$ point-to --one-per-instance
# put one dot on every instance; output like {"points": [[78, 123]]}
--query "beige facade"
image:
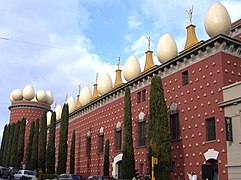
{"points": [[232, 109]]}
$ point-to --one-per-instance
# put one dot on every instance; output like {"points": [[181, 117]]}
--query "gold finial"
{"points": [[96, 78], [118, 62], [149, 42], [79, 89], [189, 12]]}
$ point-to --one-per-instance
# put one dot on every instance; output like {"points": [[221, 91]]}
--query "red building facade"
{"points": [[192, 83]]}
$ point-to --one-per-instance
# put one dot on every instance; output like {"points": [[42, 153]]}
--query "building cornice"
{"points": [[219, 43], [29, 104]]}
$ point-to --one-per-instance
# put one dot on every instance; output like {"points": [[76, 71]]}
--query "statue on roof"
{"points": [[149, 42], [118, 62], [189, 12], [96, 78], [79, 89]]}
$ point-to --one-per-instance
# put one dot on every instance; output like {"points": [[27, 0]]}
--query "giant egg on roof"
{"points": [[16, 95], [28, 93], [58, 111], [50, 97], [217, 20], [41, 96], [85, 96], [104, 84], [71, 103], [166, 48], [132, 68]]}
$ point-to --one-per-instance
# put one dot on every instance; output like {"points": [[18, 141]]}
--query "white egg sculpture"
{"points": [[17, 95], [49, 115], [41, 96], [50, 98], [217, 20], [85, 96], [11, 97], [166, 48], [58, 111], [71, 103], [104, 84], [28, 93], [132, 68]]}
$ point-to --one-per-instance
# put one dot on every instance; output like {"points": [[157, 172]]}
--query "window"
{"points": [[118, 136], [185, 79], [174, 122], [211, 130], [138, 97], [101, 143], [118, 139], [141, 96], [142, 138], [88, 145]]}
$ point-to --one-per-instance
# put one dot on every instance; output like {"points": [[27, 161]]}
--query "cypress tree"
{"points": [[34, 155], [72, 154], [21, 139], [6, 144], [50, 156], [128, 159], [42, 143], [106, 158], [30, 145], [158, 132], [63, 137], [14, 149], [12, 129], [3, 143]]}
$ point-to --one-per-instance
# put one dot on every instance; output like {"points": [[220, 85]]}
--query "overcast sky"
{"points": [[57, 45]]}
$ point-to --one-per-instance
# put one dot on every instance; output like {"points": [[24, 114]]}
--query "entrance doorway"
{"points": [[210, 170], [118, 164]]}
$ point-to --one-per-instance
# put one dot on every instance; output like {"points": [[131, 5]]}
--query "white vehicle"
{"points": [[24, 175]]}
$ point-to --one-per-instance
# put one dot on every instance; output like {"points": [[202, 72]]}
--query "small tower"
{"points": [[95, 91], [191, 34], [118, 79], [149, 60]]}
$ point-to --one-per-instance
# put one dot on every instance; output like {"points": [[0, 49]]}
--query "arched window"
{"points": [[141, 129], [174, 122], [101, 141], [88, 143], [118, 138]]}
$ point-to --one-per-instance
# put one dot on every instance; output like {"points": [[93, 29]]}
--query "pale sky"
{"points": [[57, 45]]}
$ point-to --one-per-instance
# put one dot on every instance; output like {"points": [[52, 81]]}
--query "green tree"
{"points": [[128, 159], [42, 143], [30, 145], [21, 139], [63, 137], [158, 132], [106, 158], [34, 155], [12, 129], [6, 144], [14, 149], [50, 156], [5, 150], [3, 143], [72, 154]]}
